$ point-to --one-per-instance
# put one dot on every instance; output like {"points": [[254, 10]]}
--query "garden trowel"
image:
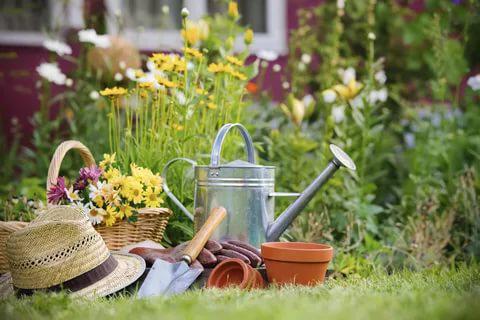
{"points": [[167, 278]]}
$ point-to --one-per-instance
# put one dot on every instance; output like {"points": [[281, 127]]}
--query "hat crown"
{"points": [[59, 245]]}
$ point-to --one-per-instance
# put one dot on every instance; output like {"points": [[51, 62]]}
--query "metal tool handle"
{"points": [[198, 242], [217, 144], [169, 193]]}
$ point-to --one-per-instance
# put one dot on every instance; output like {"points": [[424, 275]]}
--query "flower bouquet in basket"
{"points": [[124, 207]]}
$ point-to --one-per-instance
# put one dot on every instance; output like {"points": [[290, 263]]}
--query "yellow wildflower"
{"points": [[111, 174], [125, 211], [193, 52], [132, 189], [110, 216], [146, 85], [152, 198], [195, 31], [115, 91], [211, 97], [239, 75], [349, 91], [233, 9], [235, 61], [98, 200], [211, 105], [201, 91], [166, 83], [248, 37], [177, 127], [108, 160], [213, 67]]}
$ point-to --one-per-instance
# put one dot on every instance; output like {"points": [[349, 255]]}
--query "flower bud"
{"points": [[185, 13], [233, 9], [248, 37]]}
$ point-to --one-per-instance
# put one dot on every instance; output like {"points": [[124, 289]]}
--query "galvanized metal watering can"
{"points": [[246, 190]]}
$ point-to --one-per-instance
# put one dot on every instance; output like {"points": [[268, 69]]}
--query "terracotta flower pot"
{"points": [[235, 273], [296, 262]]}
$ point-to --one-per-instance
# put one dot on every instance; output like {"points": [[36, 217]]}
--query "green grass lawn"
{"points": [[431, 294]]}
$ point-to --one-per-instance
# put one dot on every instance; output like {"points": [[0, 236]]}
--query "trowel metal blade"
{"points": [[166, 278]]}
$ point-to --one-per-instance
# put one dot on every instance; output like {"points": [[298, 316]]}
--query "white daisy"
{"points": [[52, 73], [60, 48]]}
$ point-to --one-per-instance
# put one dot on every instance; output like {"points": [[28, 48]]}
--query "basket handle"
{"points": [[60, 153]]}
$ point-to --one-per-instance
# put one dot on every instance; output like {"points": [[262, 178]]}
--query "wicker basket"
{"points": [[151, 222], [150, 225]]}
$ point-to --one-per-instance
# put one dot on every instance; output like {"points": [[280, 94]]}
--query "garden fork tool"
{"points": [[171, 278]]}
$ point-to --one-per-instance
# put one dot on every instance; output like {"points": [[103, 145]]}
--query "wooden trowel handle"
{"points": [[198, 242]]}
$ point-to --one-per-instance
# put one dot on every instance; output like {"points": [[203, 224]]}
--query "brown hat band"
{"points": [[80, 282]]}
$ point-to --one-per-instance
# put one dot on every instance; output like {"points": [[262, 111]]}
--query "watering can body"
{"points": [[247, 191]]}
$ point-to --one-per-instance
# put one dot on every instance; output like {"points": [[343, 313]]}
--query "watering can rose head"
{"points": [[246, 189]]}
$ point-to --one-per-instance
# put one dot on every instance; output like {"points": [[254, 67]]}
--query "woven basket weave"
{"points": [[150, 225]]}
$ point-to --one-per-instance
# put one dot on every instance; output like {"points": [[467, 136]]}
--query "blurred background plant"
{"points": [[393, 94], [176, 108]]}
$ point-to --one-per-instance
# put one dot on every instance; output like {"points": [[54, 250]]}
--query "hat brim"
{"points": [[129, 269]]}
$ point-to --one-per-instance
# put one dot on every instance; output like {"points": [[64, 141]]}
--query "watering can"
{"points": [[247, 191]]}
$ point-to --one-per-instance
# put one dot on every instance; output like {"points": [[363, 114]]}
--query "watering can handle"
{"points": [[217, 144], [167, 189]]}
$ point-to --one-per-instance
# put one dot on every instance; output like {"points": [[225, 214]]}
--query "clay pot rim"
{"points": [[227, 266], [297, 251]]}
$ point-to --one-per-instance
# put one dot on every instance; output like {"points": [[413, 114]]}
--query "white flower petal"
{"points": [[58, 47], [52, 73], [267, 55]]}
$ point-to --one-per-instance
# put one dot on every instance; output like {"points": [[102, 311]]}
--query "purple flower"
{"points": [[457, 2], [87, 175], [57, 192]]}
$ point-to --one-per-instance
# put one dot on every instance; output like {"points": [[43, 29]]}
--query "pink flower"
{"points": [[57, 192], [87, 175]]}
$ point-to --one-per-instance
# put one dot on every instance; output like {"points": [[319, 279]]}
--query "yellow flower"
{"points": [[233, 9], [132, 189], [201, 91], [108, 160], [177, 127], [211, 105], [213, 67], [152, 198], [195, 31], [125, 211], [166, 83], [248, 37], [146, 85], [110, 216], [235, 61], [349, 91], [115, 91], [98, 200], [193, 52], [239, 75]]}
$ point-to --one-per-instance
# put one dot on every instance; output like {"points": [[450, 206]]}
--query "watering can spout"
{"points": [[340, 159]]}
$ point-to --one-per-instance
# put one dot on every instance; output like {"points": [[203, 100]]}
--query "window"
{"points": [[150, 27], [25, 22]]}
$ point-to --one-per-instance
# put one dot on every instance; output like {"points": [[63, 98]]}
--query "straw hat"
{"points": [[61, 250]]}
